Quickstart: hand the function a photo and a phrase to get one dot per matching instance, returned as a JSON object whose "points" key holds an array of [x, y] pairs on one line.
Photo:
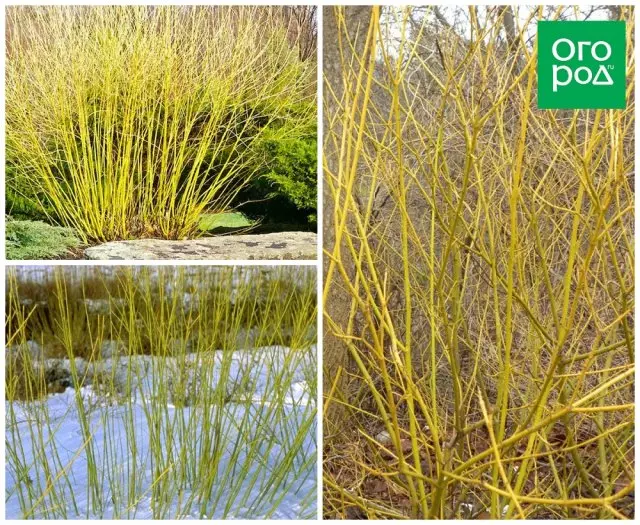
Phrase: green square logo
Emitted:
{"points": [[582, 65]]}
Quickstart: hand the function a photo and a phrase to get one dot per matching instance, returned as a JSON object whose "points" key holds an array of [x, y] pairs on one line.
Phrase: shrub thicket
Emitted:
{"points": [[132, 121], [192, 420], [480, 277]]}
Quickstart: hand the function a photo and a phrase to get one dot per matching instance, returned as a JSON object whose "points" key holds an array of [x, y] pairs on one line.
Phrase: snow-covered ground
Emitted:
{"points": [[253, 417]]}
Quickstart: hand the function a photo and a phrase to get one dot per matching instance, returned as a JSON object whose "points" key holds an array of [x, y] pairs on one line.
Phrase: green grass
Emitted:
{"points": [[30, 240], [215, 221]]}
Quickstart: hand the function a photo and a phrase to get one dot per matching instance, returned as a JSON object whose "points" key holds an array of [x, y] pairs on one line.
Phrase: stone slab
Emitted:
{"points": [[268, 246]]}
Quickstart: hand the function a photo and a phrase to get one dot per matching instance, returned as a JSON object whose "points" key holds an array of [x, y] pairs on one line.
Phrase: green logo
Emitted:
{"points": [[581, 65]]}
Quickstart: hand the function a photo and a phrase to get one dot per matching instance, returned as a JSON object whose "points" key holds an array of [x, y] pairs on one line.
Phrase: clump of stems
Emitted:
{"points": [[130, 121], [171, 425], [483, 257]]}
